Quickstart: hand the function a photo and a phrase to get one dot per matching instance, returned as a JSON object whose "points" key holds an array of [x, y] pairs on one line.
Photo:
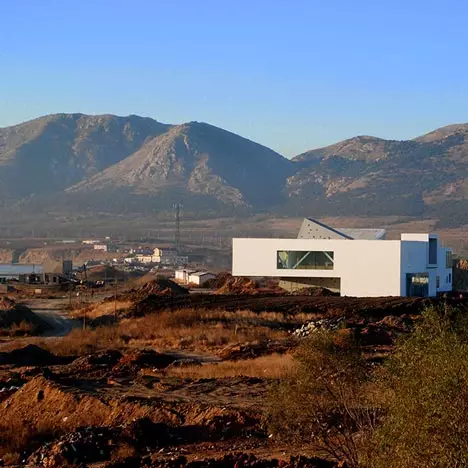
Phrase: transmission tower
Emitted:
{"points": [[177, 208]]}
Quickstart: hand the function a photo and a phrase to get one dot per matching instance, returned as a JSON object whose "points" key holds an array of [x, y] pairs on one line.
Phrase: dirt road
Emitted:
{"points": [[52, 311]]}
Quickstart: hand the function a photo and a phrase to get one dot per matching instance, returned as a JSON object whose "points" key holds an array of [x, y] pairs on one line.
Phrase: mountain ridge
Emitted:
{"points": [[108, 161]]}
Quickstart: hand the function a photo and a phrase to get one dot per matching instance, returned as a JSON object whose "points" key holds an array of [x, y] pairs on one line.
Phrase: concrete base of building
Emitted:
{"points": [[294, 284]]}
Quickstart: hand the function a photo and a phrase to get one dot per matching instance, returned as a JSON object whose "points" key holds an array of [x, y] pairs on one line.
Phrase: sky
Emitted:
{"points": [[292, 75]]}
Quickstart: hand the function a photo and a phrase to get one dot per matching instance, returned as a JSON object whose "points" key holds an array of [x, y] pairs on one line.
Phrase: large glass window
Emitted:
{"points": [[417, 284], [304, 260]]}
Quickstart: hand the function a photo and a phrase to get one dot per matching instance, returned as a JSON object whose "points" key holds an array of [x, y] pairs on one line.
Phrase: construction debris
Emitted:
{"points": [[308, 328]]}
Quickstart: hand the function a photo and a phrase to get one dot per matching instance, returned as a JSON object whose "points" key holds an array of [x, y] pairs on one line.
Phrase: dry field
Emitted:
{"points": [[184, 376]]}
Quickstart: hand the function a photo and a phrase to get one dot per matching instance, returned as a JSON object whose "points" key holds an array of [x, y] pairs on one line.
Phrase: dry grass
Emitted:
{"points": [[190, 329], [102, 308], [20, 329], [203, 330], [274, 366]]}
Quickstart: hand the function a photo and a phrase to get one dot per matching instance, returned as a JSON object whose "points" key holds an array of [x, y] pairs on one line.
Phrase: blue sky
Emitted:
{"points": [[292, 75]]}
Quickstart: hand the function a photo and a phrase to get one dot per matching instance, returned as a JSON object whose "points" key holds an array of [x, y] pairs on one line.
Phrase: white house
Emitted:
{"points": [[183, 275], [354, 262], [200, 277]]}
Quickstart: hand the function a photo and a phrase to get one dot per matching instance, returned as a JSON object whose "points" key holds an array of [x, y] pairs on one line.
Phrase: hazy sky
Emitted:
{"points": [[291, 74]]}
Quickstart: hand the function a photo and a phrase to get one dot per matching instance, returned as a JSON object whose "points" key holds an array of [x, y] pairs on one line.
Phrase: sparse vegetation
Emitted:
{"points": [[426, 383], [325, 399], [410, 412], [275, 366]]}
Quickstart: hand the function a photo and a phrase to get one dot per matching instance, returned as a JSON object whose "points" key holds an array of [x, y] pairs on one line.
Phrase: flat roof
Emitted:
{"points": [[16, 269]]}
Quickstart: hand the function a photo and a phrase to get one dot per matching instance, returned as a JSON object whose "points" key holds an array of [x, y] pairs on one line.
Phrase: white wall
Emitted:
{"points": [[445, 274], [366, 267], [414, 259]]}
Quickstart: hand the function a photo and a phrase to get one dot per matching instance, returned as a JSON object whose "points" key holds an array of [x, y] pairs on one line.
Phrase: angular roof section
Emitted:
{"points": [[313, 229], [364, 234]]}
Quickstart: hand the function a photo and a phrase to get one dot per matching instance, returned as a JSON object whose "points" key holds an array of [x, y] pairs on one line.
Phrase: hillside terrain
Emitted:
{"points": [[76, 164]]}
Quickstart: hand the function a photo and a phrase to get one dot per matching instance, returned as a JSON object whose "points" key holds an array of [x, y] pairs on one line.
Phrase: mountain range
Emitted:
{"points": [[117, 164]]}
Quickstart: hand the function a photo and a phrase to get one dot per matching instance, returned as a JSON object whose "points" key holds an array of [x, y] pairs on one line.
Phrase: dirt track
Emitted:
{"points": [[52, 312]]}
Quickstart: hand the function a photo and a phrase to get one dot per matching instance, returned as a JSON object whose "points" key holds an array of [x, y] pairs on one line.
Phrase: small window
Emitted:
{"points": [[437, 282], [450, 278], [432, 252]]}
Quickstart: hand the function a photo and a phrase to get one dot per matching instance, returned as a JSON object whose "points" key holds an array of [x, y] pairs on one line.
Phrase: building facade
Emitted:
{"points": [[359, 263]]}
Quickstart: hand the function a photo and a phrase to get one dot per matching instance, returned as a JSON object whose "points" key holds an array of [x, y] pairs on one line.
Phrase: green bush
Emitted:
{"points": [[426, 381]]}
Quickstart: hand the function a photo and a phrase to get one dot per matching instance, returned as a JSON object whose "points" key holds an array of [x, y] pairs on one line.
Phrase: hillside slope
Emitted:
{"points": [[366, 175], [199, 159], [51, 153]]}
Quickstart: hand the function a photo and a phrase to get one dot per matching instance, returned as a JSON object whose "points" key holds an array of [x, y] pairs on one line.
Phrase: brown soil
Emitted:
{"points": [[157, 287], [334, 306], [237, 285]]}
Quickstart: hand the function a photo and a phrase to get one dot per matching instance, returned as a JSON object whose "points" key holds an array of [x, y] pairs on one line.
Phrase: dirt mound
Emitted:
{"points": [[150, 292], [103, 273], [238, 285], [133, 362], [19, 316], [161, 287], [316, 292], [93, 366], [30, 355]]}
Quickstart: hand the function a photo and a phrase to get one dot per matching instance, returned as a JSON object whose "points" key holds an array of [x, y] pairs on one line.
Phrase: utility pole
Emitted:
{"points": [[115, 298], [177, 207]]}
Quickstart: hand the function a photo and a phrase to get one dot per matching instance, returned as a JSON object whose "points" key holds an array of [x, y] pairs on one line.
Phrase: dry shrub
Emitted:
{"points": [[274, 366], [325, 399], [22, 328], [80, 342]]}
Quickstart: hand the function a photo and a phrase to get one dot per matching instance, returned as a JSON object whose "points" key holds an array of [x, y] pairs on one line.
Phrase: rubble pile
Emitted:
{"points": [[322, 324], [85, 445]]}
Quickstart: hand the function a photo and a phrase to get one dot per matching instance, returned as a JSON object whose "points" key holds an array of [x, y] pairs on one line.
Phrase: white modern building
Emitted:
{"points": [[353, 262], [201, 277], [187, 276]]}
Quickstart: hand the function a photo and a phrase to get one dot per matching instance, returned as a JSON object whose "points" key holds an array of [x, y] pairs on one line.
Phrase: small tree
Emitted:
{"points": [[427, 408], [325, 400]]}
